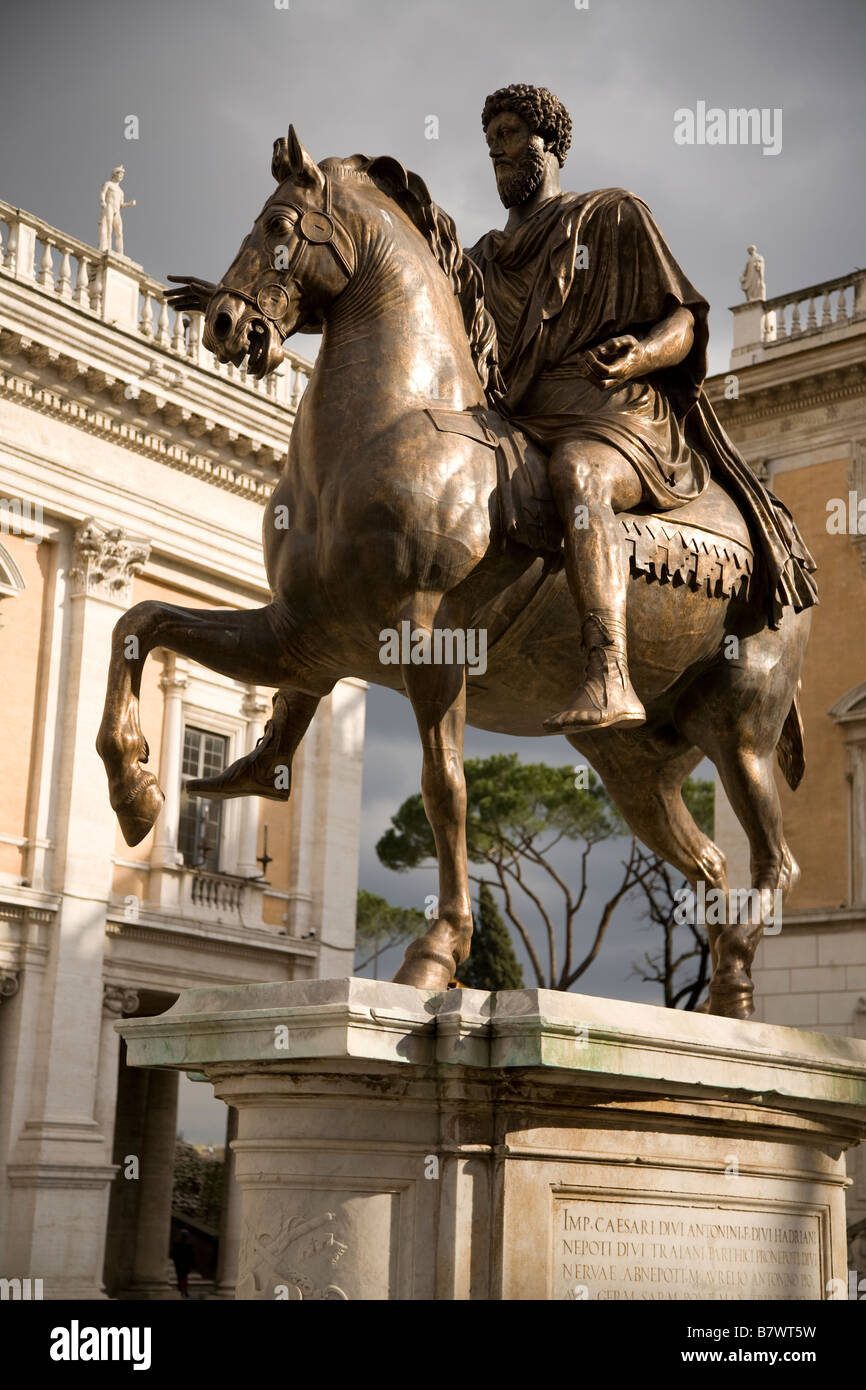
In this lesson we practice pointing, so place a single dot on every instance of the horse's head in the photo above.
(295, 261)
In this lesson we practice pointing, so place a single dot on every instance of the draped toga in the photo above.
(587, 267)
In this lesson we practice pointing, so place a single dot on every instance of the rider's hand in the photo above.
(192, 293)
(618, 360)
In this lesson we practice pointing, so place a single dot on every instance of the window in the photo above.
(11, 579)
(204, 754)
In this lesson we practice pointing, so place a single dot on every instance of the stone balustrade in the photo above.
(116, 290)
(832, 307)
(831, 304)
(214, 892)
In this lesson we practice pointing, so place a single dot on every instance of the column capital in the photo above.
(254, 706)
(173, 682)
(9, 981)
(105, 560)
(118, 1000)
(175, 671)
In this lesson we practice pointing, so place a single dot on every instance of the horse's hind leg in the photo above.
(643, 774)
(438, 696)
(249, 646)
(750, 785)
(736, 714)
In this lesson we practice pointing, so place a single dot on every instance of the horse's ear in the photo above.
(301, 165)
(389, 174)
(280, 160)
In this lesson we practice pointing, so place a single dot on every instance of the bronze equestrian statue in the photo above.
(513, 442)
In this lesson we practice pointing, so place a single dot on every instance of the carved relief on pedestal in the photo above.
(306, 1239)
(297, 1262)
(106, 560)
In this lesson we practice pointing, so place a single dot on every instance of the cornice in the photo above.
(117, 427)
(208, 938)
(771, 400)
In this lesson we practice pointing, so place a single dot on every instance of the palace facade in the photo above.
(133, 466)
(794, 401)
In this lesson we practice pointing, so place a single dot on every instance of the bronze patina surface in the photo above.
(442, 453)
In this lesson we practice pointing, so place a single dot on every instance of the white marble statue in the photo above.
(110, 221)
(752, 278)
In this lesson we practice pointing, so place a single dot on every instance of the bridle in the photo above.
(313, 228)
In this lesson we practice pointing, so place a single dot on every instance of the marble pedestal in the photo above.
(397, 1143)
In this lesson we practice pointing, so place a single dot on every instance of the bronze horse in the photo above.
(386, 515)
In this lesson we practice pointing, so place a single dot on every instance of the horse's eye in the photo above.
(281, 224)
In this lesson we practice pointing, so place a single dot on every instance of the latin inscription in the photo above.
(630, 1250)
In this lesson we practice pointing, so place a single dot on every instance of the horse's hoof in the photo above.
(426, 972)
(429, 962)
(138, 811)
(739, 1005)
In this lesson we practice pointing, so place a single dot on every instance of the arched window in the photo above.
(11, 578)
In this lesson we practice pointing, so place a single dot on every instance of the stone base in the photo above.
(399, 1143)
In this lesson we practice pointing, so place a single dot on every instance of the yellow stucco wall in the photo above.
(816, 815)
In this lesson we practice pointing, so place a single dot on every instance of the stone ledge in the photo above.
(606, 1042)
(583, 1148)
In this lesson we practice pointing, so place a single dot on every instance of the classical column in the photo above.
(164, 886)
(254, 709)
(152, 1271)
(338, 774)
(12, 1049)
(58, 1164)
(117, 1002)
(230, 1222)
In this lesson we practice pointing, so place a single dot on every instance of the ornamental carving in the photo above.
(117, 1000)
(106, 560)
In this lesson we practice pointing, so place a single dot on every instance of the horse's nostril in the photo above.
(222, 325)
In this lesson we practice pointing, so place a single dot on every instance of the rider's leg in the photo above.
(591, 482)
(266, 770)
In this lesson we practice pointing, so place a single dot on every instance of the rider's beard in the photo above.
(518, 181)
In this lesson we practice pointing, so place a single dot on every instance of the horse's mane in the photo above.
(410, 193)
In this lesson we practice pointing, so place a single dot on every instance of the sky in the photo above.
(213, 82)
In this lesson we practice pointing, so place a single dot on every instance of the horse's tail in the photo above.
(790, 749)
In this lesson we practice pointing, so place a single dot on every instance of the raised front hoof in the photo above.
(138, 811)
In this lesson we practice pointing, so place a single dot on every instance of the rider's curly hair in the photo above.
(540, 109)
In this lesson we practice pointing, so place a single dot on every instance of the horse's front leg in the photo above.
(247, 645)
(438, 696)
(135, 794)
